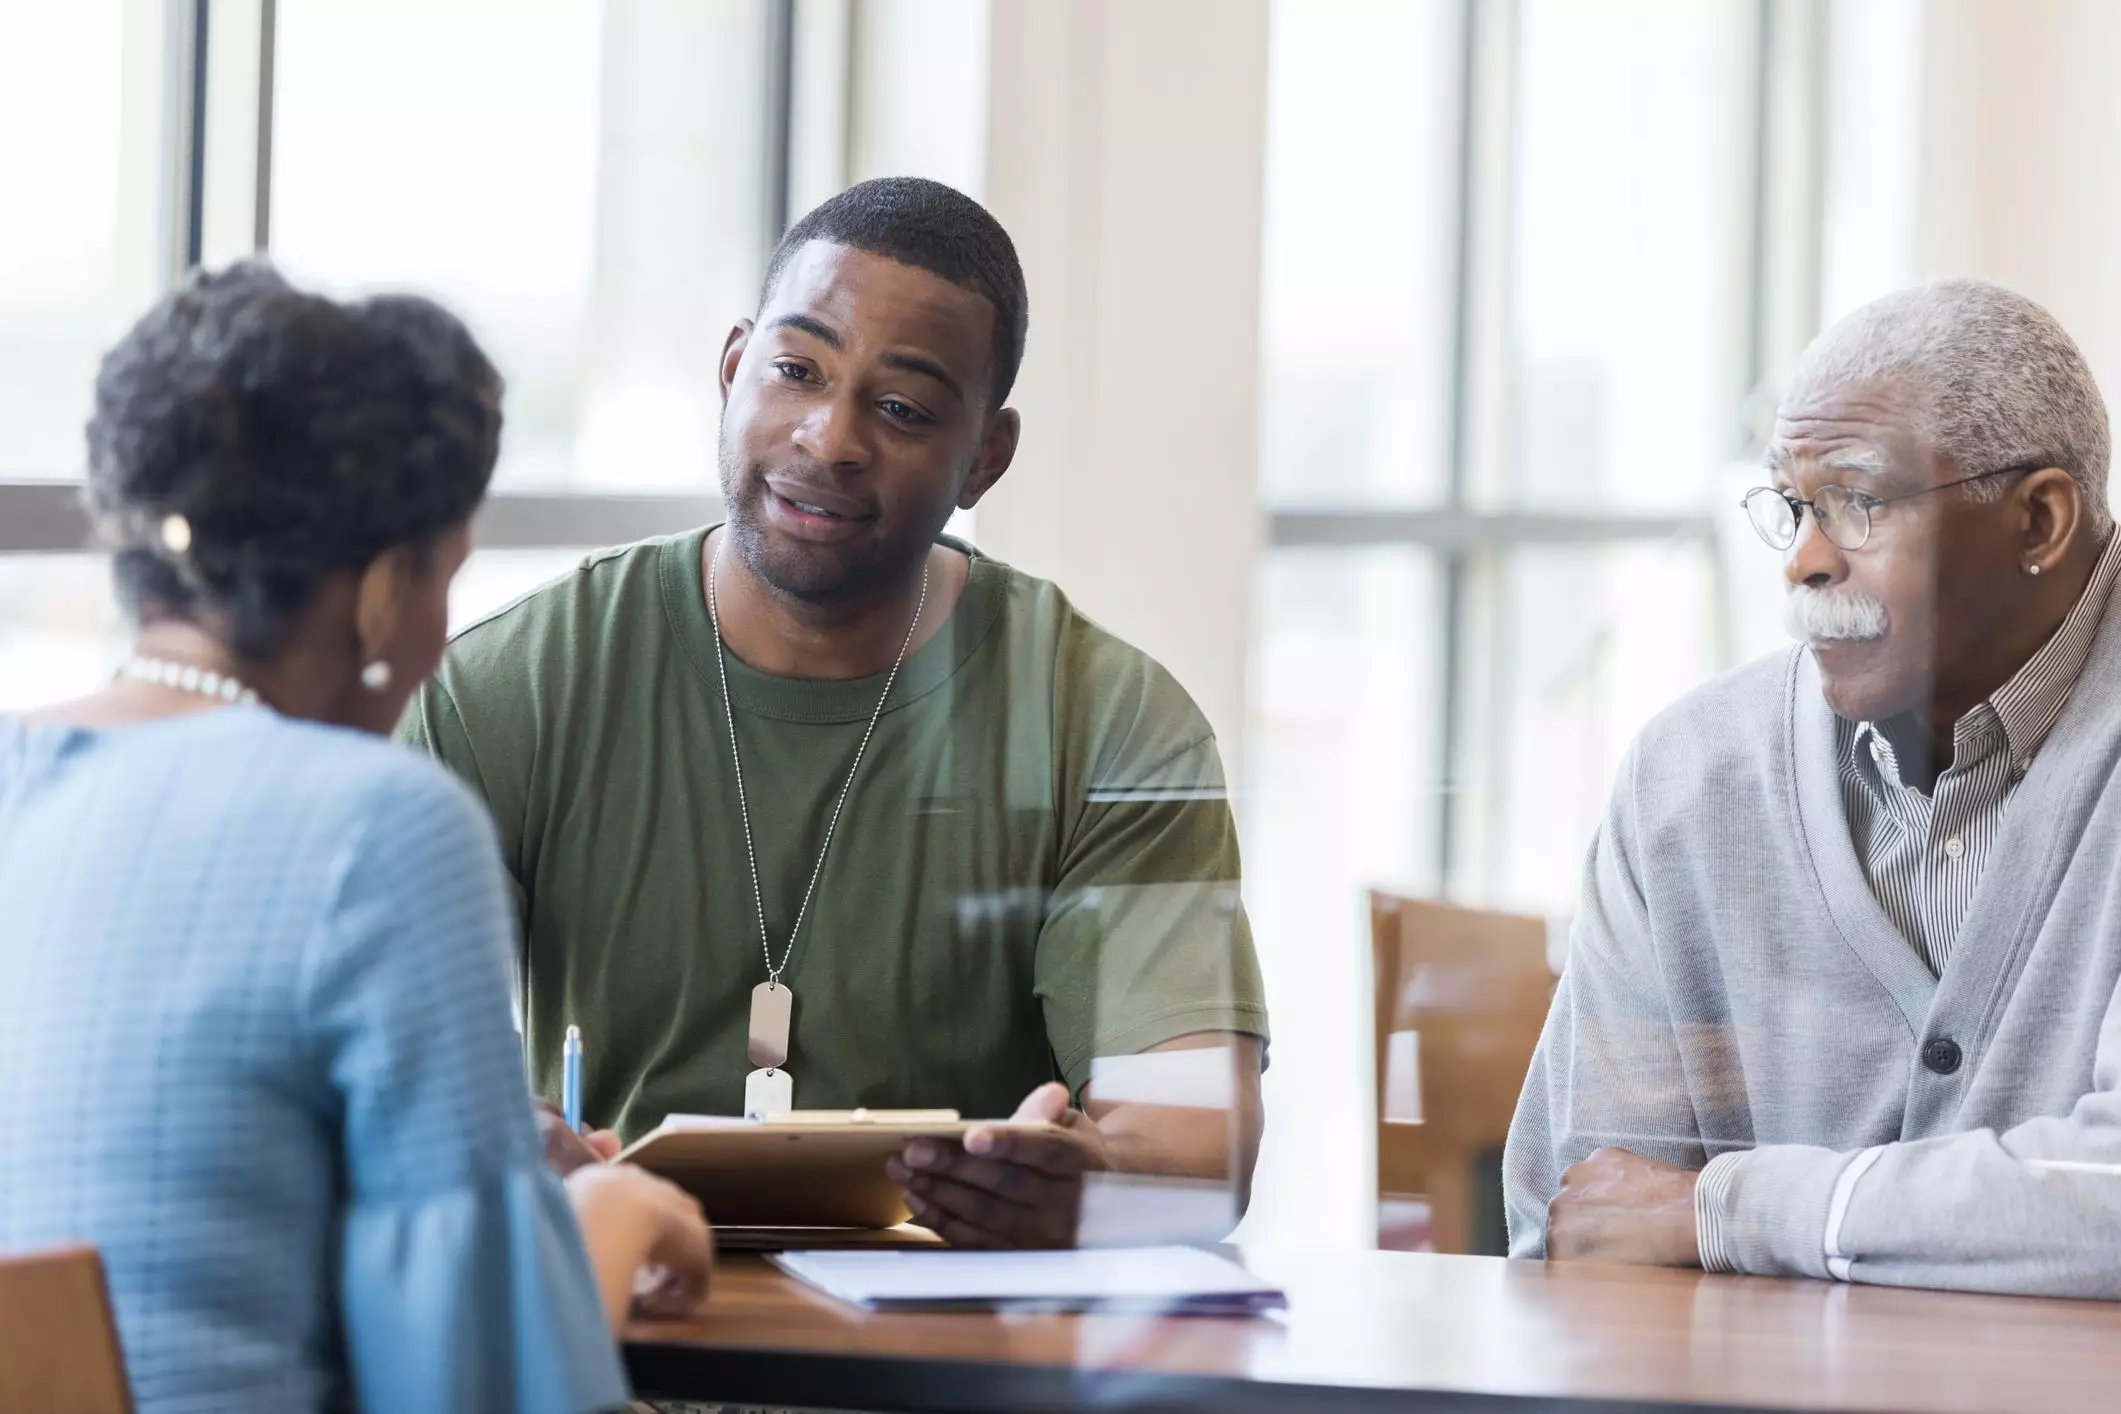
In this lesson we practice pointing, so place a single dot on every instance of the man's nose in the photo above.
(832, 433)
(1812, 559)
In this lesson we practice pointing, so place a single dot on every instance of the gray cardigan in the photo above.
(1734, 994)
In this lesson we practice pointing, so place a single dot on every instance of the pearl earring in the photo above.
(376, 676)
(2032, 569)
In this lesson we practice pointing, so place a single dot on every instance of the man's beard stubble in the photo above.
(818, 575)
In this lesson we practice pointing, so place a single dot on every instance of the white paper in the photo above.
(1139, 1276)
(708, 1122)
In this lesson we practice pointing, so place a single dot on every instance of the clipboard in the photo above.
(814, 1169)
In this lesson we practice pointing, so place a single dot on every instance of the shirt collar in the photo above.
(2027, 707)
(2031, 702)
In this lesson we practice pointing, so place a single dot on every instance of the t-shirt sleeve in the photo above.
(434, 725)
(463, 1282)
(1145, 937)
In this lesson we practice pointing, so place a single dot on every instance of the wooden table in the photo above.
(1386, 1330)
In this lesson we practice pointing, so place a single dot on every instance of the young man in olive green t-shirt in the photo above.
(1028, 860)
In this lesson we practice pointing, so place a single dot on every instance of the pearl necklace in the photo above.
(184, 677)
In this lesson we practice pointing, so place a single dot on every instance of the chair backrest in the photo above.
(1461, 996)
(58, 1344)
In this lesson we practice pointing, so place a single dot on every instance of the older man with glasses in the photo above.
(1841, 999)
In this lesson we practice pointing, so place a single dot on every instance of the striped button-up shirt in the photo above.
(1924, 853)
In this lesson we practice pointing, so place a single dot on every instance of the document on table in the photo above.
(1176, 1281)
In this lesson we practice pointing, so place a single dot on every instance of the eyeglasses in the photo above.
(1844, 516)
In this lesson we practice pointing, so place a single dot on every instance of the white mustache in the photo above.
(1840, 613)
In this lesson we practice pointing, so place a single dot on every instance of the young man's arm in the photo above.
(1154, 1008)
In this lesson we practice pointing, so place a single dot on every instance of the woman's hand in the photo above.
(565, 1150)
(648, 1242)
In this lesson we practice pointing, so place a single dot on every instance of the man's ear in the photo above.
(2051, 511)
(733, 354)
(997, 449)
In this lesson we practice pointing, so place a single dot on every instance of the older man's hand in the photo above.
(1620, 1207)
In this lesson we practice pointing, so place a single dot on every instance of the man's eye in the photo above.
(795, 372)
(903, 411)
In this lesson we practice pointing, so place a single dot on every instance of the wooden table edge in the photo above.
(885, 1384)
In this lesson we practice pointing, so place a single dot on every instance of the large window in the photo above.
(1514, 304)
(85, 92)
(593, 187)
(591, 196)
(1621, 368)
(1510, 319)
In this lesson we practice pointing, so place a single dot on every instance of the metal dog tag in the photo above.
(768, 1092)
(771, 1004)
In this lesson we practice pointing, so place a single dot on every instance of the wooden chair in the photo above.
(1460, 996)
(58, 1344)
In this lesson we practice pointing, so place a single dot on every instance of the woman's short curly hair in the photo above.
(298, 437)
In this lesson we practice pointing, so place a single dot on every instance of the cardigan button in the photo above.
(1942, 1055)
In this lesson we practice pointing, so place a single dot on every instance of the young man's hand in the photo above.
(1006, 1187)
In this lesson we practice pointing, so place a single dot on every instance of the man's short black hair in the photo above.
(931, 227)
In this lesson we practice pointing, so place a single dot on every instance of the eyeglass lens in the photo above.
(1842, 517)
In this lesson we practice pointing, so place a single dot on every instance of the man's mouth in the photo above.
(809, 514)
(817, 501)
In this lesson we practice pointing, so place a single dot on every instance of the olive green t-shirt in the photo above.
(1036, 866)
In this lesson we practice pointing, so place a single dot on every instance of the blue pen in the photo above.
(571, 1078)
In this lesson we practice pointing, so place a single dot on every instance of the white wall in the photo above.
(2022, 163)
(1980, 137)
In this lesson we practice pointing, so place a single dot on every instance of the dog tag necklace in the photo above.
(770, 1089)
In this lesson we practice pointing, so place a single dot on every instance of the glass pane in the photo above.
(1339, 797)
(494, 579)
(80, 248)
(583, 183)
(1362, 162)
(1629, 295)
(1591, 642)
(60, 630)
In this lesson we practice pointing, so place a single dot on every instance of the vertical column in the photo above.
(1125, 147)
(919, 91)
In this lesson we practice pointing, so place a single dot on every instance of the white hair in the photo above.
(1998, 381)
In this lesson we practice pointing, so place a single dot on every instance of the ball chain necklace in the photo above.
(770, 1089)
